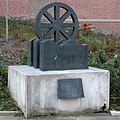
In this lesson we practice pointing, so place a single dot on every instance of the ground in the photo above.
(63, 118)
(13, 50)
(11, 53)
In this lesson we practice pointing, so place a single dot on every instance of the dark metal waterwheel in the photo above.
(56, 24)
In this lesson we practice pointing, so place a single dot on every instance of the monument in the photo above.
(62, 52)
(57, 79)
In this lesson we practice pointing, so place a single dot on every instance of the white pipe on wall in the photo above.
(99, 20)
(96, 20)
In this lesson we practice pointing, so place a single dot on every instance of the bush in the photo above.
(18, 28)
(104, 52)
(3, 72)
(6, 102)
(24, 58)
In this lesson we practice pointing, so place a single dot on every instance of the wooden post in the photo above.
(6, 16)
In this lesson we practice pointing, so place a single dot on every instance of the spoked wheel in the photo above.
(57, 24)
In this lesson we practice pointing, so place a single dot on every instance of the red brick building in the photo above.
(104, 14)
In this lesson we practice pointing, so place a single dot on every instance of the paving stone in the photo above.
(63, 118)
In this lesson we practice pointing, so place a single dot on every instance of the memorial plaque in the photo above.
(36, 53)
(70, 88)
(30, 52)
(73, 55)
(84, 60)
(48, 52)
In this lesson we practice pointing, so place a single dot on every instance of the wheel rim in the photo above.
(56, 24)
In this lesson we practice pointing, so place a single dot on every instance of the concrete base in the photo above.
(35, 91)
(115, 113)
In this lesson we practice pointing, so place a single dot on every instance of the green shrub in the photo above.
(18, 28)
(21, 29)
(104, 52)
(6, 102)
(24, 58)
(3, 71)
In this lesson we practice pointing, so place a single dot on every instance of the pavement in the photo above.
(11, 115)
(63, 118)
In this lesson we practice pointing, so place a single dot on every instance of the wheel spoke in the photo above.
(46, 25)
(56, 36)
(49, 16)
(50, 32)
(68, 25)
(64, 33)
(56, 12)
(64, 16)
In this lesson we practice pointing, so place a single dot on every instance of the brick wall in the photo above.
(2, 7)
(98, 9)
(36, 5)
(107, 9)
(85, 9)
(17, 8)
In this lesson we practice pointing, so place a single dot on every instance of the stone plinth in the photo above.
(35, 91)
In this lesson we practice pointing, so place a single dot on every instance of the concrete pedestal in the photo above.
(35, 91)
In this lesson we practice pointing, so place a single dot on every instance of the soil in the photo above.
(12, 50)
